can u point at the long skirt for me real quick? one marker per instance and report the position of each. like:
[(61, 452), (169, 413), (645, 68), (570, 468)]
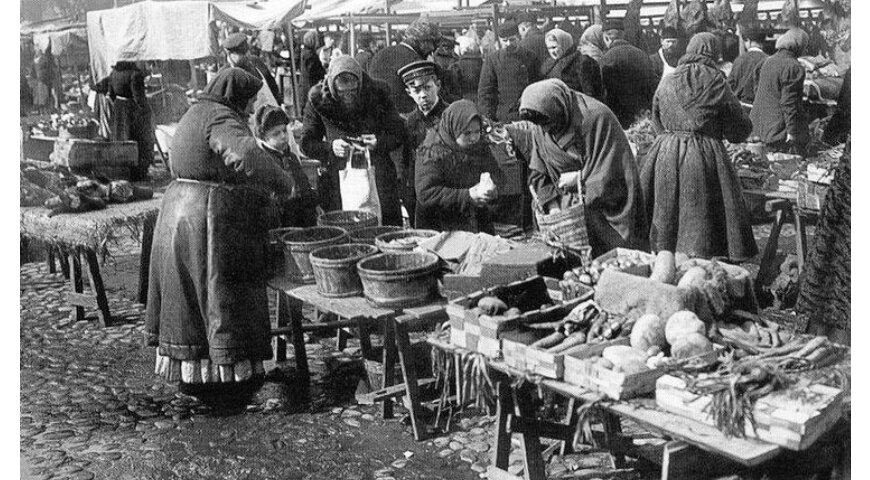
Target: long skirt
[(132, 122), (694, 200)]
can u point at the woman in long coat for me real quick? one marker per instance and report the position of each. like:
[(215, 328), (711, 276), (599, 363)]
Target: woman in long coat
[(778, 114), (207, 311), (578, 71), (575, 146), (450, 193), (690, 188)]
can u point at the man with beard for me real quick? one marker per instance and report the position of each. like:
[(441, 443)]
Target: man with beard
[(423, 86), (506, 72), (350, 104), (665, 59)]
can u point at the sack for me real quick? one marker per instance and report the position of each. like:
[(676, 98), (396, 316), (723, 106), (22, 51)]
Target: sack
[(357, 185), (565, 228)]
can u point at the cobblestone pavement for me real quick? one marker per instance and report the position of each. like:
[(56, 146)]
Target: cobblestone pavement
[(91, 408)]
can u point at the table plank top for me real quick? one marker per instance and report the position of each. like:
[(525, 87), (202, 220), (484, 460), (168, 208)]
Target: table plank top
[(746, 451)]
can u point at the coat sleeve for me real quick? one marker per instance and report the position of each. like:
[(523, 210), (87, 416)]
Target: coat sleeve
[(656, 117), (313, 132), (102, 86), (392, 135), (735, 75), (232, 140), (487, 89), (791, 96), (429, 183)]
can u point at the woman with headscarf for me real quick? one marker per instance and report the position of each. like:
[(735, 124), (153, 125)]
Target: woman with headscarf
[(350, 104), (310, 67), (592, 43), (778, 115), (578, 71), (453, 188), (691, 191), (208, 312), (577, 150)]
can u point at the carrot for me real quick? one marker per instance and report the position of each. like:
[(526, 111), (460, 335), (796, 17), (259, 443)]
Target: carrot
[(576, 338), (549, 341), (810, 346)]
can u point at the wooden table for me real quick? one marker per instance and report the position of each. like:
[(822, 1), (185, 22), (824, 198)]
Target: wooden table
[(358, 313), (81, 236), (679, 458)]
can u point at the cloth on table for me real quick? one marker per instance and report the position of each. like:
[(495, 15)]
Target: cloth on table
[(465, 252)]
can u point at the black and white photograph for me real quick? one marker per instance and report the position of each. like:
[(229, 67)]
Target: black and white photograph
[(433, 240)]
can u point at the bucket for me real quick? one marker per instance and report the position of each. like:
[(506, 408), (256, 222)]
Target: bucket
[(399, 280), (368, 234), (301, 242), (335, 268), (350, 220), (403, 240), (276, 249)]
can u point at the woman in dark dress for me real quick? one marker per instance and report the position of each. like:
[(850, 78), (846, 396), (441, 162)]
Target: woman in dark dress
[(578, 71), (207, 311), (691, 191), (452, 192)]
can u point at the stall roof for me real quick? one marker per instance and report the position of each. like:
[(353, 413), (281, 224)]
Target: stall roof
[(258, 15)]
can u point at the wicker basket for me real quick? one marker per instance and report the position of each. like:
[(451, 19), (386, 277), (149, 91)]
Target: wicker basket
[(387, 241), (350, 220), (298, 244), (335, 268), (399, 280), (564, 228), (367, 235)]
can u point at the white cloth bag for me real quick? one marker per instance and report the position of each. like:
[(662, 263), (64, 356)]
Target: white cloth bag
[(358, 186)]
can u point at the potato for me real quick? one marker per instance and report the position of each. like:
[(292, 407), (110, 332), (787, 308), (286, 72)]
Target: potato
[(683, 324), (648, 331), (665, 268), (492, 305), (513, 312), (694, 277), (691, 345)]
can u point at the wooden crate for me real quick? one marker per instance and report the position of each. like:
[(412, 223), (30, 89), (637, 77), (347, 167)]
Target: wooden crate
[(581, 371), (782, 418), (639, 270), (85, 154)]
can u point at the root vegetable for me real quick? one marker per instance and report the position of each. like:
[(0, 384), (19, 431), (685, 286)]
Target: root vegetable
[(665, 268), (576, 338), (648, 331), (550, 340), (691, 345), (492, 305), (682, 324), (812, 345)]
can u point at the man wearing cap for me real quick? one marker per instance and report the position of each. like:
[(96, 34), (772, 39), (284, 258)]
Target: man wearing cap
[(630, 81), (744, 74), (506, 73), (421, 39), (423, 86), (665, 59), (532, 38), (236, 46)]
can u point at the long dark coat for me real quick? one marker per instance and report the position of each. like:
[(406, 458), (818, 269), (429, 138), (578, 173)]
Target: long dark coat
[(691, 191), (311, 72), (505, 74), (744, 75), (778, 109), (578, 71), (536, 43), (326, 120), (207, 285), (629, 81), (467, 71), (417, 125)]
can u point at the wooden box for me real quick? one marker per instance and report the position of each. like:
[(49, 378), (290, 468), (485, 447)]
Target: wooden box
[(793, 418), (580, 370), (811, 195), (523, 262), (639, 270)]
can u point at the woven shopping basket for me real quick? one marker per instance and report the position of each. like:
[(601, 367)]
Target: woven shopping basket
[(565, 228)]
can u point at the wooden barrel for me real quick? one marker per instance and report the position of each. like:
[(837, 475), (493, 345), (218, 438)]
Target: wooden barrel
[(399, 280), (403, 240), (368, 234), (350, 220), (335, 268), (298, 244)]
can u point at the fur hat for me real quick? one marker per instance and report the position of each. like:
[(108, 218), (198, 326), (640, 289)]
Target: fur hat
[(268, 117)]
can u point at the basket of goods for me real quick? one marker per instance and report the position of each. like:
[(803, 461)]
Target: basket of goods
[(565, 228), (299, 243), (395, 280), (403, 240), (350, 220), (368, 234), (479, 320), (335, 268), (634, 262), (74, 125)]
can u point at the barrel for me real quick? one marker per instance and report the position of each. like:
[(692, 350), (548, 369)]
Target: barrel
[(335, 268), (368, 234), (350, 220), (403, 240), (298, 244), (399, 280)]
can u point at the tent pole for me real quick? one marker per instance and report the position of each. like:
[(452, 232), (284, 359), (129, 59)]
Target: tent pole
[(296, 111), (352, 28)]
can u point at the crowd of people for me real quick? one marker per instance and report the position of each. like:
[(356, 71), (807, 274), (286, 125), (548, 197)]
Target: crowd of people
[(426, 123)]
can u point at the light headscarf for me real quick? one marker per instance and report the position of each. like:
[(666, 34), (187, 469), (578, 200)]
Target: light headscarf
[(563, 38)]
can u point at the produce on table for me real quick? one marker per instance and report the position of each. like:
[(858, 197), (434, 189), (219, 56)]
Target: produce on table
[(648, 332), (406, 241), (692, 345), (492, 305), (694, 277), (681, 325), (633, 296), (625, 359), (665, 268)]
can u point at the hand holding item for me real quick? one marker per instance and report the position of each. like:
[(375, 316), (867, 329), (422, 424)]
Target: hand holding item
[(369, 140), (569, 180), (340, 148), (484, 192)]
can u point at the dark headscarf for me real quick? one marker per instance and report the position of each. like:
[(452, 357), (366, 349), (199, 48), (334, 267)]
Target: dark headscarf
[(705, 48), (455, 120), (555, 100), (233, 87), (795, 40)]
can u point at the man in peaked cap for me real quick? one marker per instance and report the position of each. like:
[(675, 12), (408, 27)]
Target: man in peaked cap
[(423, 86), (505, 74), (236, 47), (629, 79)]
